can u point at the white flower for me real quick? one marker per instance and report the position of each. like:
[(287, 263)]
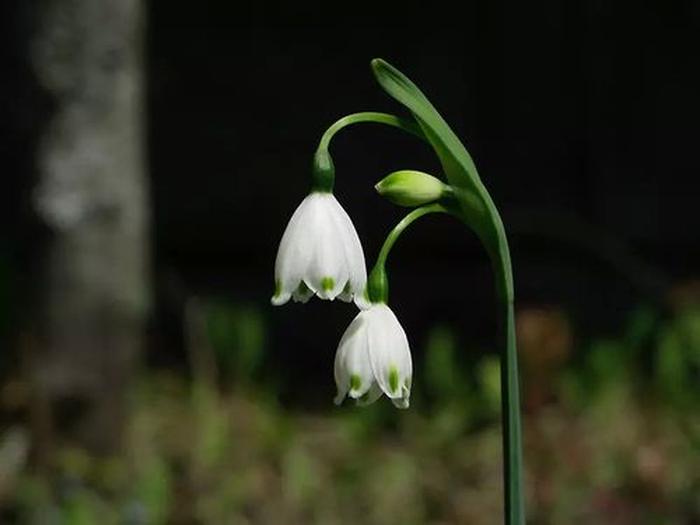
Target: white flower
[(320, 253), (373, 357)]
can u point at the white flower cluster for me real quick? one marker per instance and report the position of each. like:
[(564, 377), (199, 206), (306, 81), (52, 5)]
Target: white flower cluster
[(320, 253)]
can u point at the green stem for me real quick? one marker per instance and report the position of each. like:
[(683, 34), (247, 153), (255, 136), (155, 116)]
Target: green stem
[(404, 223), (369, 116), (499, 253), (510, 395), (323, 175), (377, 284)]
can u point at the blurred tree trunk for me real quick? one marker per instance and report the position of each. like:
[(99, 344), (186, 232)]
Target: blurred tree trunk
[(92, 195)]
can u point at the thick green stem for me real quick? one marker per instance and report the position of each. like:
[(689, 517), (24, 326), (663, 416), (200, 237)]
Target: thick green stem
[(510, 394), (499, 253)]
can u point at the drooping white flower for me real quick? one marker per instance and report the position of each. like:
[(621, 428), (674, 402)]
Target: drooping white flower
[(320, 253), (374, 357)]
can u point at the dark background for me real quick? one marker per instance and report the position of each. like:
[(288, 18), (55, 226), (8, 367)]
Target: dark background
[(582, 118)]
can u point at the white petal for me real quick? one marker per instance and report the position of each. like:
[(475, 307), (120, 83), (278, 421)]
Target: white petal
[(371, 396), (402, 402), (294, 251), (361, 300), (353, 371), (321, 248), (303, 293), (327, 272), (280, 297), (389, 352), (352, 251), (346, 295)]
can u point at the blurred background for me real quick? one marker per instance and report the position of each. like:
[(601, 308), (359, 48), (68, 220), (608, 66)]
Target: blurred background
[(152, 154)]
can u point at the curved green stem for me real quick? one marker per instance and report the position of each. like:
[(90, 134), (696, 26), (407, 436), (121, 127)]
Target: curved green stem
[(404, 223), (377, 285), (369, 116), (324, 179), (323, 169)]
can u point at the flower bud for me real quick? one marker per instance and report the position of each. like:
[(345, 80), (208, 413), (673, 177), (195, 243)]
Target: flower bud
[(411, 188)]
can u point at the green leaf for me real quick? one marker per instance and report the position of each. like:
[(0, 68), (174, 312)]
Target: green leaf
[(457, 163), (475, 208), (476, 205)]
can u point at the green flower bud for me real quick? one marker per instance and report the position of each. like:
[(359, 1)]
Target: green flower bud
[(411, 188)]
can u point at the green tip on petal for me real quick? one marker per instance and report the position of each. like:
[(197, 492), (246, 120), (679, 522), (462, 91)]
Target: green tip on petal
[(278, 288), (327, 284), (393, 379), (355, 382)]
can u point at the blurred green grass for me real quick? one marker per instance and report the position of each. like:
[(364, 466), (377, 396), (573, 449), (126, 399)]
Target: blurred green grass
[(612, 435)]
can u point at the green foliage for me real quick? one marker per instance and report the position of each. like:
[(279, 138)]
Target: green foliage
[(489, 381), (443, 375), (457, 399), (678, 360), (475, 205), (641, 327), (153, 489), (83, 507), (237, 335), (199, 454)]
